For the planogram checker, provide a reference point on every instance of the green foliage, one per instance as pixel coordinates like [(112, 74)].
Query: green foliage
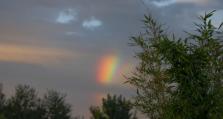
[(2, 103), (97, 113), (55, 106), (113, 107), (2, 116), (177, 78), (24, 105), (2, 99), (150, 77)]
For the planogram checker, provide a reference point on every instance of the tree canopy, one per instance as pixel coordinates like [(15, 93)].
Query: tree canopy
[(26, 104), (113, 107), (55, 106), (179, 78)]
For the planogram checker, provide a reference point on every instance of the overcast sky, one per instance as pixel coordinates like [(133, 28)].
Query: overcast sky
[(59, 44)]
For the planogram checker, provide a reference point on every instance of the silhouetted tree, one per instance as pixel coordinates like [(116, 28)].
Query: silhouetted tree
[(113, 107), (26, 105), (97, 113), (2, 102), (2, 99), (55, 106), (179, 78), (23, 105)]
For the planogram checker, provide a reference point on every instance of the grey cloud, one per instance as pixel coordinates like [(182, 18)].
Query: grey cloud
[(92, 23), (163, 3), (67, 16)]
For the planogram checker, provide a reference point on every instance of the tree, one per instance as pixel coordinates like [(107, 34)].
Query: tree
[(26, 105), (179, 78), (2, 99), (2, 102), (113, 107), (2, 116), (150, 77), (55, 106), (23, 105), (97, 113)]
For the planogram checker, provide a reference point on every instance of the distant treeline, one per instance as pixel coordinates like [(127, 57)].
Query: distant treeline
[(25, 104)]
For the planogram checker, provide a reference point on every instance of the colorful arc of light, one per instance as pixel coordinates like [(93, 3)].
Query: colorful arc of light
[(107, 68)]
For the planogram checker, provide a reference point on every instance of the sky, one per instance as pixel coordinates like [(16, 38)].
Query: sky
[(80, 47)]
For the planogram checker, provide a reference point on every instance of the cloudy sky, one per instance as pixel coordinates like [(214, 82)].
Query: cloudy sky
[(61, 44)]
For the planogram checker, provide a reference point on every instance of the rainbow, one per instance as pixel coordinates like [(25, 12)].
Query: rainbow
[(107, 68)]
